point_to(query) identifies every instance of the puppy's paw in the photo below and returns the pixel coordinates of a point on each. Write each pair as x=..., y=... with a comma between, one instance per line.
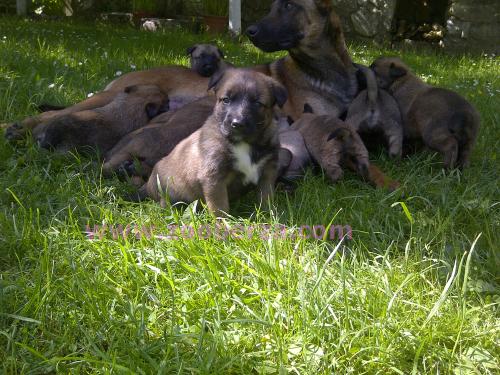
x=14, y=132
x=127, y=169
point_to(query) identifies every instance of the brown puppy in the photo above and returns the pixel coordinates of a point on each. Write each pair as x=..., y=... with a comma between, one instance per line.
x=101, y=128
x=333, y=145
x=206, y=59
x=156, y=140
x=441, y=118
x=375, y=109
x=237, y=146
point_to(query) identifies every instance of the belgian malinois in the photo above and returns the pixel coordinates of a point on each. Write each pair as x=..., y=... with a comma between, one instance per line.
x=102, y=127
x=206, y=59
x=237, y=146
x=375, y=110
x=318, y=69
x=146, y=146
x=442, y=119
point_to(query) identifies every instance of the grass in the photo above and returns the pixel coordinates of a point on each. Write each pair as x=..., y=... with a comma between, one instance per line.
x=411, y=293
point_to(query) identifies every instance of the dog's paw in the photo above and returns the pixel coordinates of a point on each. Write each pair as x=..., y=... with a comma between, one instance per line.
x=127, y=168
x=14, y=132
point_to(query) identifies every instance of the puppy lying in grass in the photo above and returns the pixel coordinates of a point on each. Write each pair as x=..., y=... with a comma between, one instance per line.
x=236, y=147
x=333, y=144
x=207, y=59
x=147, y=145
x=375, y=109
x=102, y=128
x=441, y=118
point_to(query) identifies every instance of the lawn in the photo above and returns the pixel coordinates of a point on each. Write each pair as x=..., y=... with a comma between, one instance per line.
x=415, y=291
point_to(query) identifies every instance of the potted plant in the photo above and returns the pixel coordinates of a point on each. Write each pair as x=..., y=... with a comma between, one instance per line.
x=215, y=15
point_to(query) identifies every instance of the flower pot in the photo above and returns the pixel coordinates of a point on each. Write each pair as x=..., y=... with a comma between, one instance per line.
x=215, y=24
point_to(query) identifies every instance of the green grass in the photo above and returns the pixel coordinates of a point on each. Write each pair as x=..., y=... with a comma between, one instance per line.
x=409, y=294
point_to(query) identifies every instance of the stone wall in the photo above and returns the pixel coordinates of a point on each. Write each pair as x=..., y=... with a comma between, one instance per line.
x=475, y=24
x=366, y=18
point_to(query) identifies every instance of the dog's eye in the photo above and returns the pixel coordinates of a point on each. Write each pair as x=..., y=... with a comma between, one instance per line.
x=225, y=100
x=288, y=5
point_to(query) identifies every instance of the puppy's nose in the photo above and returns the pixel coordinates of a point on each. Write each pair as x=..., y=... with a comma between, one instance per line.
x=252, y=31
x=236, y=124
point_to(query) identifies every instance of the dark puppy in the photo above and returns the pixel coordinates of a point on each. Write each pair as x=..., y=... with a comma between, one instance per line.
x=237, y=146
x=156, y=140
x=206, y=59
x=333, y=145
x=101, y=128
x=375, y=109
x=441, y=118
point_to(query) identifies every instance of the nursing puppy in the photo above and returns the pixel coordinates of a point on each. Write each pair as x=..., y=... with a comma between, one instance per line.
x=333, y=145
x=442, y=119
x=375, y=109
x=146, y=146
x=102, y=127
x=206, y=59
x=237, y=146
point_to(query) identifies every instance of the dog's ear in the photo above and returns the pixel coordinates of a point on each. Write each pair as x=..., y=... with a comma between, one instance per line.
x=152, y=110
x=216, y=78
x=340, y=134
x=191, y=49
x=307, y=108
x=324, y=6
x=221, y=53
x=280, y=94
x=130, y=89
x=396, y=71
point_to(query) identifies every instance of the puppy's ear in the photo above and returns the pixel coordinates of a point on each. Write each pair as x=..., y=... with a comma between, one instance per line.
x=396, y=71
x=191, y=49
x=340, y=134
x=325, y=6
x=221, y=53
x=307, y=108
x=215, y=79
x=280, y=94
x=152, y=110
x=130, y=89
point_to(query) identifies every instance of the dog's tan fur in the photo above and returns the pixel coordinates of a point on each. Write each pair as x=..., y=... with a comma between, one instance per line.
x=207, y=59
x=441, y=118
x=333, y=145
x=102, y=127
x=374, y=110
x=206, y=164
x=156, y=140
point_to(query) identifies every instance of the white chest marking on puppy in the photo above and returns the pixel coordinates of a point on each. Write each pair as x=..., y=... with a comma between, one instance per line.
x=243, y=163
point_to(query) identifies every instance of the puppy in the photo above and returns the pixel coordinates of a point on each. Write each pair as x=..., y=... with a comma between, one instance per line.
x=236, y=147
x=149, y=144
x=442, y=119
x=333, y=145
x=101, y=128
x=294, y=157
x=375, y=109
x=206, y=59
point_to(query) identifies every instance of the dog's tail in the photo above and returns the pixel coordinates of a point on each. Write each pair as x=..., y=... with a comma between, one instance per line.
x=463, y=125
x=44, y=107
x=371, y=84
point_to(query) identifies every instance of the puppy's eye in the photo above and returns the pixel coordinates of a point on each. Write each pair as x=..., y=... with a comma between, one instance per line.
x=288, y=5
x=225, y=100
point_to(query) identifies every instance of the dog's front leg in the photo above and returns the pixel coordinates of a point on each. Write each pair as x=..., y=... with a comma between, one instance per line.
x=267, y=182
x=216, y=198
